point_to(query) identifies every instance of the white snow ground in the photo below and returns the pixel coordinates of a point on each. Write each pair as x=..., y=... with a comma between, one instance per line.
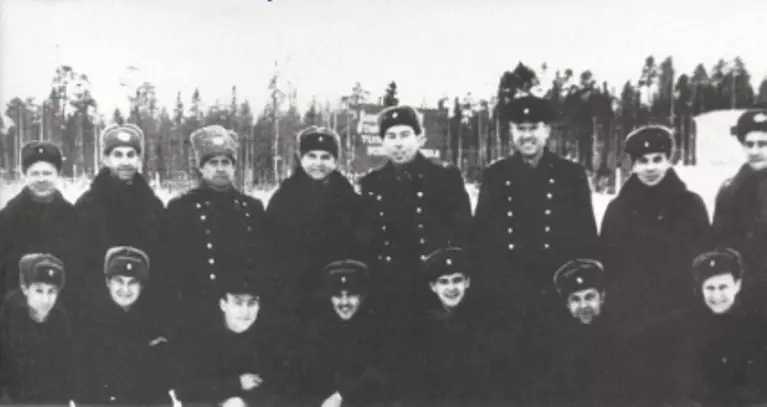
x=705, y=180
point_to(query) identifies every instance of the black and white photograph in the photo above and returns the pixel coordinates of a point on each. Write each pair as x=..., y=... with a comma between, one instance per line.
x=401, y=203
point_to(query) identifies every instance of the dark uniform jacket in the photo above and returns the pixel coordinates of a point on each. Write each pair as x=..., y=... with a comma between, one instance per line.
x=344, y=357
x=408, y=213
x=210, y=232
x=530, y=221
x=583, y=370
x=725, y=358
x=740, y=222
x=36, y=360
x=219, y=357
x=650, y=236
x=311, y=224
x=29, y=226
x=119, y=362
x=113, y=213
x=451, y=360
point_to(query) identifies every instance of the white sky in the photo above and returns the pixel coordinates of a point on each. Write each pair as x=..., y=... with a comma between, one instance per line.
x=431, y=48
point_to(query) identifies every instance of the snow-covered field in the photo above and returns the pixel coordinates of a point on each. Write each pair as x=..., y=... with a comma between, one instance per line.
x=703, y=180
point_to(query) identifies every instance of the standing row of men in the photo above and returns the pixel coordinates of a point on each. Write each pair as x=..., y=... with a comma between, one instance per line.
x=534, y=214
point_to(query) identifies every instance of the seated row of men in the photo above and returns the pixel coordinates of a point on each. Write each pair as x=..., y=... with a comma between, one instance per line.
x=336, y=358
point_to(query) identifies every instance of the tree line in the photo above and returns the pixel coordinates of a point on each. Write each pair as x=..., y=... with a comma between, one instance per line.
x=594, y=118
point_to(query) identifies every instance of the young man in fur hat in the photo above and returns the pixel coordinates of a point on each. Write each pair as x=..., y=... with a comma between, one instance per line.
x=120, y=209
x=533, y=214
x=341, y=353
x=726, y=342
x=234, y=362
x=451, y=356
x=411, y=206
x=650, y=233
x=39, y=219
x=580, y=369
x=124, y=350
x=36, y=363
x=740, y=215
x=211, y=230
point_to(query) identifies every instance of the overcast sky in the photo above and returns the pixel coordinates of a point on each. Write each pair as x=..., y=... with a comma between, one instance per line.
x=430, y=47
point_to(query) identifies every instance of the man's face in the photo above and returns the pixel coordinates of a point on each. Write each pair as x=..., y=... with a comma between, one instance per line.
x=720, y=291
x=240, y=311
x=318, y=164
x=401, y=144
x=755, y=145
x=451, y=289
x=530, y=138
x=586, y=305
x=41, y=297
x=218, y=171
x=123, y=162
x=41, y=178
x=651, y=168
x=124, y=290
x=346, y=304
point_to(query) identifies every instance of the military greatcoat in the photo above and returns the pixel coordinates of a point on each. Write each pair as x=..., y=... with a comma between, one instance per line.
x=531, y=220
x=210, y=233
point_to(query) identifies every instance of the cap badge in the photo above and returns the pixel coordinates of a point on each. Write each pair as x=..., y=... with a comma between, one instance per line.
x=129, y=266
x=218, y=141
x=394, y=115
x=343, y=279
x=449, y=262
x=321, y=138
x=579, y=280
x=760, y=118
x=712, y=263
x=40, y=150
x=123, y=136
x=526, y=111
x=51, y=272
x=646, y=144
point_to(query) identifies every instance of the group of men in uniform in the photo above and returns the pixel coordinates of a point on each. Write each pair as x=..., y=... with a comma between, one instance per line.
x=441, y=306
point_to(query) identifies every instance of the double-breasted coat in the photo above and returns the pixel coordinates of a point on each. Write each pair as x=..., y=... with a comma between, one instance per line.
x=210, y=233
x=529, y=221
x=406, y=214
x=114, y=213
x=740, y=222
x=29, y=226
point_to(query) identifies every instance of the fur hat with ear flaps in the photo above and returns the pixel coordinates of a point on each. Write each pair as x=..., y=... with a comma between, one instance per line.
x=214, y=140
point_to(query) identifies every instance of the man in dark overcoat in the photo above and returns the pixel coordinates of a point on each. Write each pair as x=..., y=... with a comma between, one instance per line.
x=452, y=365
x=341, y=357
x=533, y=214
x=213, y=229
x=740, y=214
x=123, y=353
x=36, y=343
x=650, y=234
x=724, y=361
x=411, y=206
x=119, y=209
x=234, y=360
x=583, y=372
x=39, y=219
